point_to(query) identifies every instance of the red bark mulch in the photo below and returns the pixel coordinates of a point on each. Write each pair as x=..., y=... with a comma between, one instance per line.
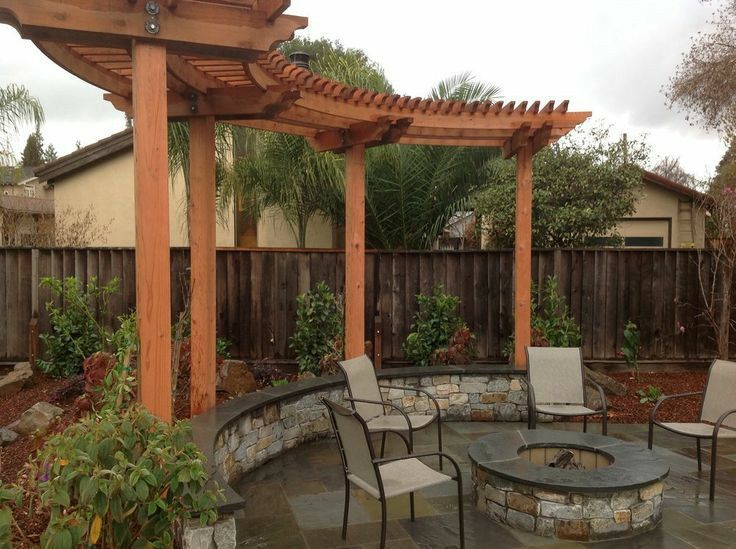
x=628, y=409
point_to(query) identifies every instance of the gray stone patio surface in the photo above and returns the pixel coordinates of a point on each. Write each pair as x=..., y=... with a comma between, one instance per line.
x=296, y=500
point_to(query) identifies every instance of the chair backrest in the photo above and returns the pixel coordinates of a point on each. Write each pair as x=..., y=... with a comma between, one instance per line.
x=556, y=374
x=353, y=440
x=720, y=393
x=362, y=383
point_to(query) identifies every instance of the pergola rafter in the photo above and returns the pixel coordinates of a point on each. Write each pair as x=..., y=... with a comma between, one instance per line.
x=210, y=60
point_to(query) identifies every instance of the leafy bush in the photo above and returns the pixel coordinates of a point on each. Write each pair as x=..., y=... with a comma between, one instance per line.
x=651, y=395
x=552, y=324
x=319, y=328
x=435, y=325
x=9, y=495
x=121, y=477
x=75, y=333
x=631, y=346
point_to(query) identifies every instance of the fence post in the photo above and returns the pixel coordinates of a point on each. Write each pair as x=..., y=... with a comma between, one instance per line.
x=33, y=339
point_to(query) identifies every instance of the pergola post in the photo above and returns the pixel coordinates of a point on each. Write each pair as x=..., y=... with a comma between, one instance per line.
x=202, y=243
x=354, y=251
x=152, y=257
x=523, y=254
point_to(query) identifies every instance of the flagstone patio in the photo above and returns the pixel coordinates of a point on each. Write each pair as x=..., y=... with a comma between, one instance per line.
x=296, y=500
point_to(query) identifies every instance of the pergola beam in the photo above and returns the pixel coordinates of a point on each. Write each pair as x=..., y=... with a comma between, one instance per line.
x=195, y=27
x=152, y=258
x=354, y=251
x=202, y=242
x=272, y=9
x=222, y=103
x=369, y=134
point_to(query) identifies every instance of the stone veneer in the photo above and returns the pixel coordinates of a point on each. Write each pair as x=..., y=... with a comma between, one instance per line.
x=568, y=515
x=244, y=433
x=621, y=498
x=263, y=433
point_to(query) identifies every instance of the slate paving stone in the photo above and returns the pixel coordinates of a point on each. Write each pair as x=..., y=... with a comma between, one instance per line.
x=296, y=501
x=317, y=511
x=271, y=531
x=358, y=535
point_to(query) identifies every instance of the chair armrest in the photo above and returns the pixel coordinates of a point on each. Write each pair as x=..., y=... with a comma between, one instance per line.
x=416, y=390
x=600, y=392
x=653, y=413
x=531, y=397
x=384, y=403
x=381, y=461
x=720, y=422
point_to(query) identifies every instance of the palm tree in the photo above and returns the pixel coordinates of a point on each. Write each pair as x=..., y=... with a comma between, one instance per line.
x=283, y=172
x=286, y=174
x=413, y=191
x=17, y=107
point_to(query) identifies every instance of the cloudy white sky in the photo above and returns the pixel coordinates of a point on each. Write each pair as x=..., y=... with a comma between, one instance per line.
x=609, y=57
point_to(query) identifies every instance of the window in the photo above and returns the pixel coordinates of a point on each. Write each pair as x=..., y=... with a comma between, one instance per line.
x=644, y=241
x=30, y=191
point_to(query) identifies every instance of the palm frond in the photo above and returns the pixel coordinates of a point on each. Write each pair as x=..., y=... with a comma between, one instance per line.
x=18, y=107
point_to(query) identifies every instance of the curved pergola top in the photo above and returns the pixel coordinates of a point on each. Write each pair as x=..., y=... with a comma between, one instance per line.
x=220, y=63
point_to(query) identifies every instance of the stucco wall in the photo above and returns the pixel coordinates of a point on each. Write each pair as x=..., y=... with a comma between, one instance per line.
x=654, y=208
x=274, y=232
x=106, y=188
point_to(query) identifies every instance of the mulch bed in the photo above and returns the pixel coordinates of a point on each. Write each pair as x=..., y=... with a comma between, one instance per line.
x=628, y=409
x=62, y=393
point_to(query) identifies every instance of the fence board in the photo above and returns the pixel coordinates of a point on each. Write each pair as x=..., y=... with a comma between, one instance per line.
x=257, y=290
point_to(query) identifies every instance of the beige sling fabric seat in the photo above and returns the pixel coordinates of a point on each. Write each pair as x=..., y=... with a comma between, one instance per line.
x=383, y=478
x=717, y=414
x=365, y=397
x=557, y=385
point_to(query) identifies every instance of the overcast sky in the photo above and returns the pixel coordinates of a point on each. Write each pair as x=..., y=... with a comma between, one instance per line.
x=609, y=57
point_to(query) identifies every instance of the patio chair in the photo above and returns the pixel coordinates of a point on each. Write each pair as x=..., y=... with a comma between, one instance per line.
x=365, y=397
x=557, y=386
x=383, y=478
x=717, y=414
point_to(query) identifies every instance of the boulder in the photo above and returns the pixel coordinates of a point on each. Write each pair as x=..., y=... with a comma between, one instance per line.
x=7, y=436
x=37, y=418
x=234, y=377
x=12, y=382
x=609, y=385
x=593, y=398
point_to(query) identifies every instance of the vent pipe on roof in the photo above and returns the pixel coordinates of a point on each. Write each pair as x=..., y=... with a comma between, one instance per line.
x=300, y=59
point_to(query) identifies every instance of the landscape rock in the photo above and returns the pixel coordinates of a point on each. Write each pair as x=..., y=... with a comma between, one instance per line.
x=37, y=418
x=12, y=382
x=609, y=385
x=234, y=377
x=7, y=436
x=593, y=398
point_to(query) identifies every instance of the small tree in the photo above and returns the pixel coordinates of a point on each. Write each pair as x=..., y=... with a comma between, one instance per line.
x=716, y=266
x=33, y=153
x=582, y=188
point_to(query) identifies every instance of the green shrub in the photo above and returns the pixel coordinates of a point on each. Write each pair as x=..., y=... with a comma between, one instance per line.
x=319, y=328
x=651, y=395
x=9, y=495
x=121, y=477
x=75, y=333
x=631, y=346
x=552, y=324
x=435, y=323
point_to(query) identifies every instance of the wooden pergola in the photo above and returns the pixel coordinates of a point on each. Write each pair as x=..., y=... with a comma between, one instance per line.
x=212, y=60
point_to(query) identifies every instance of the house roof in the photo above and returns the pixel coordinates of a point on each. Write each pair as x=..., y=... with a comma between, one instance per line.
x=42, y=206
x=81, y=158
x=670, y=185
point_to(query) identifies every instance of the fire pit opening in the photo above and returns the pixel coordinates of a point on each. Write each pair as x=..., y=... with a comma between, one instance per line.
x=565, y=457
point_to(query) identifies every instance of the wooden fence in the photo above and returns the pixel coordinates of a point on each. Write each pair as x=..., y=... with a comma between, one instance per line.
x=257, y=290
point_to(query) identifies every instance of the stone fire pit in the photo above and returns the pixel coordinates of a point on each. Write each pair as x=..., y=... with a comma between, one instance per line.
x=616, y=492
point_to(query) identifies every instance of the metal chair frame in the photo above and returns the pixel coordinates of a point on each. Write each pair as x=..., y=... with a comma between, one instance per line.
x=333, y=409
x=713, y=437
x=532, y=404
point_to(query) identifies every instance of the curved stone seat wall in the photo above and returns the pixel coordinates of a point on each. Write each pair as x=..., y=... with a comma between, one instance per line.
x=242, y=434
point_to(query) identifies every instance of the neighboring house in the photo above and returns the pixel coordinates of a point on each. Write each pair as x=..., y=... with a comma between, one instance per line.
x=26, y=209
x=98, y=178
x=667, y=216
